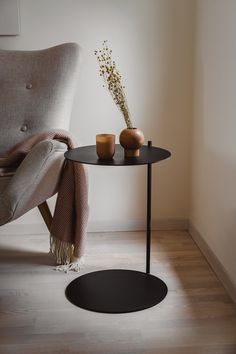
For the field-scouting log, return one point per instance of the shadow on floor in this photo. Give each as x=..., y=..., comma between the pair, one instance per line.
x=15, y=256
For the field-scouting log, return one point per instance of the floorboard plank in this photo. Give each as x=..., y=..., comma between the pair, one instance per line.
x=196, y=317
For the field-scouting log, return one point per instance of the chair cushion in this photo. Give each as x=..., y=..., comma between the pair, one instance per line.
x=4, y=182
x=35, y=180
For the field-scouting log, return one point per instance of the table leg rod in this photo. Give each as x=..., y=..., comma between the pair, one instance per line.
x=148, y=228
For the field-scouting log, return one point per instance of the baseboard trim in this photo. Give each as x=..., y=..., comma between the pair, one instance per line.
x=214, y=262
x=137, y=225
x=23, y=229
x=100, y=226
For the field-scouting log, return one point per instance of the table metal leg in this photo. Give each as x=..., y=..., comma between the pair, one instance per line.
x=149, y=214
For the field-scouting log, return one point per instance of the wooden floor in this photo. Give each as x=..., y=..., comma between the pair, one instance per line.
x=196, y=317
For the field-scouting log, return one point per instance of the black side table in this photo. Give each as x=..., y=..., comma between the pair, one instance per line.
x=119, y=290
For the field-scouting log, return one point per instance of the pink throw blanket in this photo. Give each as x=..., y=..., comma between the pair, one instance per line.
x=68, y=229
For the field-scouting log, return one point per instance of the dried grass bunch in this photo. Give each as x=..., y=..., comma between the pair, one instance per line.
x=112, y=79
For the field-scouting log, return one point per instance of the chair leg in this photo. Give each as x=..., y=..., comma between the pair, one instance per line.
x=46, y=214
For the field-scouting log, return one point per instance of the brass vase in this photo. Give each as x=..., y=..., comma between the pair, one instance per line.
x=131, y=139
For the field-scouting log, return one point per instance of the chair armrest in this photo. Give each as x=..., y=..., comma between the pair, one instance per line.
x=35, y=180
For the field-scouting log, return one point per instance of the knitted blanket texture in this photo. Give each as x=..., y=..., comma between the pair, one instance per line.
x=68, y=229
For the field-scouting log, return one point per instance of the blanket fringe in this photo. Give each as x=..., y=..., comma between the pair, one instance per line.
x=63, y=252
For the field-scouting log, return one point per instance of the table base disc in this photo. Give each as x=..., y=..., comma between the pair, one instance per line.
x=116, y=291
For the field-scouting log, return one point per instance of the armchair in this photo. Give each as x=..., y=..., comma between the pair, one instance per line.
x=36, y=94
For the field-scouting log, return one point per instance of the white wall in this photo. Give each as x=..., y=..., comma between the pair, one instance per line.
x=151, y=42
x=213, y=207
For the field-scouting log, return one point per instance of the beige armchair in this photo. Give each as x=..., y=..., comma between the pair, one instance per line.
x=36, y=95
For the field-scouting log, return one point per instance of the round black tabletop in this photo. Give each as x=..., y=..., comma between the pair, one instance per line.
x=88, y=155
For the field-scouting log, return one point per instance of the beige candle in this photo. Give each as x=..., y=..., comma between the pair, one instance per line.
x=105, y=146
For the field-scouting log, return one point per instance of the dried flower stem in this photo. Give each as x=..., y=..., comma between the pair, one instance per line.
x=112, y=79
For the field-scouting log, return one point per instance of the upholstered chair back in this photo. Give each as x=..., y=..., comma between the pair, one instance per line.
x=36, y=91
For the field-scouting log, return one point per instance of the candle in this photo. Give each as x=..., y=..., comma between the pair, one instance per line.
x=105, y=146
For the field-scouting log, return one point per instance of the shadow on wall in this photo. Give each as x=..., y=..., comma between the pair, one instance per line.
x=213, y=173
x=170, y=109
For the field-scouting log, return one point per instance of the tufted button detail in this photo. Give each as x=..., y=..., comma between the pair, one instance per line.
x=24, y=128
x=29, y=86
